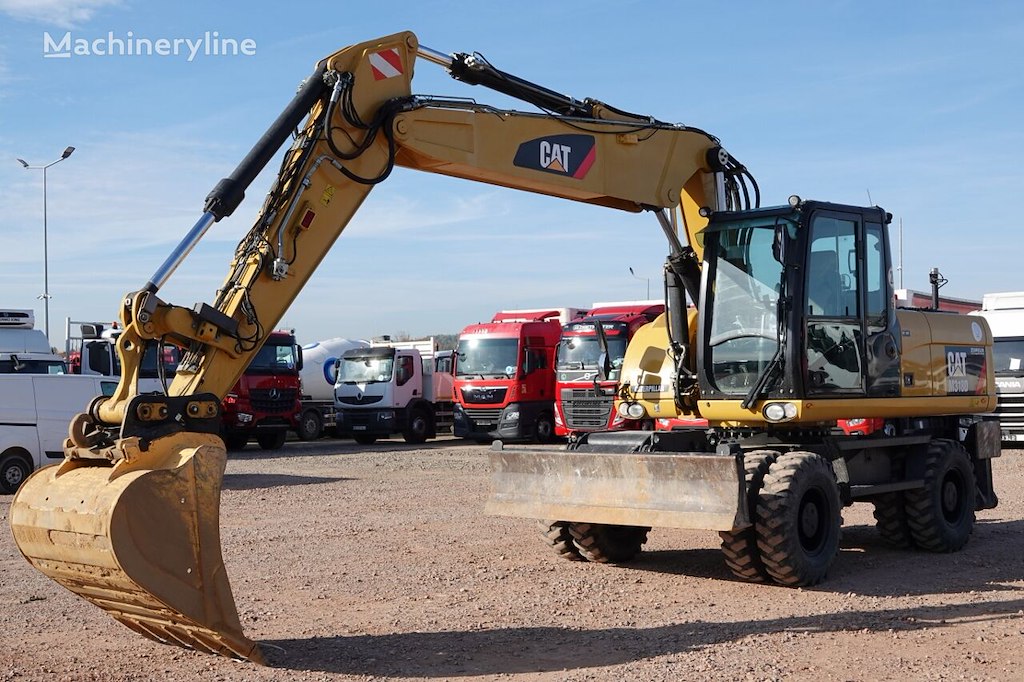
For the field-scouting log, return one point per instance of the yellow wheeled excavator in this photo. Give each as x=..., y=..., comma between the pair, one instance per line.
x=130, y=519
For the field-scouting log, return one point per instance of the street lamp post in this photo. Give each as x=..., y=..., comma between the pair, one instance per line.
x=46, y=255
x=643, y=279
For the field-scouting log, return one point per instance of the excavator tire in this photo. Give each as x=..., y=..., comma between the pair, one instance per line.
x=798, y=519
x=141, y=540
x=941, y=514
x=740, y=547
x=891, y=520
x=557, y=535
x=607, y=544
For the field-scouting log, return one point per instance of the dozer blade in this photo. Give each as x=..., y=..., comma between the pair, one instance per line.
x=143, y=544
x=673, y=490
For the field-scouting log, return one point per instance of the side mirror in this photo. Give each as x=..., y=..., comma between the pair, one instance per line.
x=604, y=366
x=779, y=243
x=298, y=358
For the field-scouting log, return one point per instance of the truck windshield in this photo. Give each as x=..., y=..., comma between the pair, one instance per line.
x=27, y=366
x=1009, y=356
x=583, y=351
x=482, y=357
x=273, y=359
x=365, y=370
x=99, y=350
x=743, y=330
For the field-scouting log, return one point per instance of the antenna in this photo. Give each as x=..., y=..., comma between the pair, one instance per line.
x=870, y=203
x=901, y=253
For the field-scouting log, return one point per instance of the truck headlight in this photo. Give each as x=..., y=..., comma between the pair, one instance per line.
x=510, y=416
x=779, y=412
x=244, y=417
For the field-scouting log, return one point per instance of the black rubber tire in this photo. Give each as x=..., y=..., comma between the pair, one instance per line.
x=418, y=428
x=544, y=429
x=740, y=547
x=891, y=520
x=235, y=441
x=311, y=425
x=941, y=514
x=272, y=441
x=608, y=544
x=364, y=439
x=14, y=469
x=558, y=537
x=798, y=519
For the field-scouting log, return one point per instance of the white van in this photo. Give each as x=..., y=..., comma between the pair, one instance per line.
x=35, y=411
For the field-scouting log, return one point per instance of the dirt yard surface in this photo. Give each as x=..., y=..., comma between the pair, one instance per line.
x=368, y=563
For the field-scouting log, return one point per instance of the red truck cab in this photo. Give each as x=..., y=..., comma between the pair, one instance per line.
x=504, y=384
x=264, y=403
x=585, y=398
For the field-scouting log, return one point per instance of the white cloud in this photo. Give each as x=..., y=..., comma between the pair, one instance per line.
x=61, y=13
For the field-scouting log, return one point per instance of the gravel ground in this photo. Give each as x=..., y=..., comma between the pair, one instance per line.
x=363, y=563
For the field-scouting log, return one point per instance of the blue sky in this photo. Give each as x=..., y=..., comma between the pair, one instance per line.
x=916, y=105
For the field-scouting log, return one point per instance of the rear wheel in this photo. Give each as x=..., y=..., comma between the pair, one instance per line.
x=740, y=547
x=14, y=469
x=418, y=428
x=941, y=514
x=311, y=425
x=798, y=519
x=557, y=535
x=544, y=431
x=271, y=441
x=364, y=439
x=608, y=544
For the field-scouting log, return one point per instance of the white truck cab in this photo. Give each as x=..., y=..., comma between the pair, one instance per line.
x=1004, y=313
x=25, y=349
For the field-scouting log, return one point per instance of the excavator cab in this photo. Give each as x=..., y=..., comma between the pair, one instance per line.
x=797, y=306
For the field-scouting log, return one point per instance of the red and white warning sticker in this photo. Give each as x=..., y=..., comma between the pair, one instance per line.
x=386, y=64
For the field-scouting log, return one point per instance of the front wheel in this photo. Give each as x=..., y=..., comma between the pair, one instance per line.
x=544, y=431
x=740, y=547
x=558, y=537
x=418, y=428
x=271, y=441
x=798, y=519
x=364, y=439
x=607, y=544
x=235, y=441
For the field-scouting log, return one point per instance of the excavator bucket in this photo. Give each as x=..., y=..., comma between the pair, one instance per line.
x=673, y=490
x=141, y=541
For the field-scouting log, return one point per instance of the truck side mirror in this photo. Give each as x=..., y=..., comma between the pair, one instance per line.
x=298, y=358
x=604, y=366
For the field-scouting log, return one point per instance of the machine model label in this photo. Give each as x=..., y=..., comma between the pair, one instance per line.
x=568, y=155
x=965, y=370
x=386, y=64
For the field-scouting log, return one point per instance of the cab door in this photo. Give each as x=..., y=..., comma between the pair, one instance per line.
x=850, y=347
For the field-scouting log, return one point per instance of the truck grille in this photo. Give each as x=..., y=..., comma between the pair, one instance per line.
x=1010, y=410
x=359, y=399
x=273, y=400
x=484, y=394
x=585, y=409
x=484, y=416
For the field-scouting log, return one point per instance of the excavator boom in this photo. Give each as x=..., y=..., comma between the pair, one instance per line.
x=130, y=520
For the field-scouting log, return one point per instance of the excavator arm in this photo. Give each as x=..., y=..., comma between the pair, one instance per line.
x=130, y=520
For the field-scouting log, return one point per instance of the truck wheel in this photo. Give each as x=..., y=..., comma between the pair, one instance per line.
x=740, y=547
x=364, y=439
x=13, y=471
x=608, y=544
x=418, y=427
x=311, y=425
x=557, y=535
x=798, y=520
x=544, y=430
x=941, y=514
x=891, y=520
x=235, y=441
x=272, y=441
